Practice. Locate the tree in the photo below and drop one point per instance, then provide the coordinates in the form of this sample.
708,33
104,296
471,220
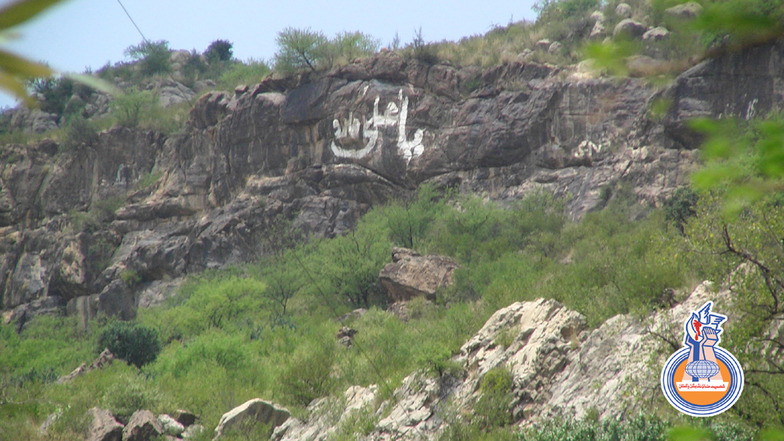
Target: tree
154,56
219,50
137,345
300,49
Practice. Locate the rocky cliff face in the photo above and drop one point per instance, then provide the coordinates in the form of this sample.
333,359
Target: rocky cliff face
114,225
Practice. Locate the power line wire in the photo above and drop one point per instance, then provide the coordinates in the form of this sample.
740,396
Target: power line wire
134,23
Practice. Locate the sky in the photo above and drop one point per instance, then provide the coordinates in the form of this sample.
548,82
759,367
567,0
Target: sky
78,34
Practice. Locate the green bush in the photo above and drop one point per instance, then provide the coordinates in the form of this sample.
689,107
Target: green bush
308,375
129,394
55,93
154,56
219,50
136,344
679,207
129,107
492,409
79,132
248,73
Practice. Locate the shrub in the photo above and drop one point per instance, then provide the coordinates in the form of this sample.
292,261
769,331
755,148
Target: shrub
130,394
308,375
492,407
300,49
679,207
241,73
79,132
154,56
219,50
136,344
348,46
423,51
129,107
55,93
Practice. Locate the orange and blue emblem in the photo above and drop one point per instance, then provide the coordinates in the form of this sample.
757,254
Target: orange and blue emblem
702,379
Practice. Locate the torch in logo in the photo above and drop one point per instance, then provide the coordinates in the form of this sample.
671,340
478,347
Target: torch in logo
702,335
702,379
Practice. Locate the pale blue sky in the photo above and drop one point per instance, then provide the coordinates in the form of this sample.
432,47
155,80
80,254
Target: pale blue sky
89,33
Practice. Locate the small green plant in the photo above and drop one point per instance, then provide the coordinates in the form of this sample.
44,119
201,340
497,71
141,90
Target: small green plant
136,344
148,180
506,337
130,277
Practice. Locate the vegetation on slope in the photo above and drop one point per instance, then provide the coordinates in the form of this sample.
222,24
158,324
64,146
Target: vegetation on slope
267,329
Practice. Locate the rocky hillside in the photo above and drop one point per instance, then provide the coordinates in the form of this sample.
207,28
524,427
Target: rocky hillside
114,225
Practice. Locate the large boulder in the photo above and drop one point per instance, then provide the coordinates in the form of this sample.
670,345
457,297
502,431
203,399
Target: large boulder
686,10
629,28
103,426
255,411
413,275
143,426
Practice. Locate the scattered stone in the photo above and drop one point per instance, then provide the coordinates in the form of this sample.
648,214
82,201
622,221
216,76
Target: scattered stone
413,275
103,426
399,310
686,11
185,418
598,31
104,359
623,10
629,28
596,16
239,90
192,431
252,411
170,425
346,336
525,55
50,420
656,34
554,48
355,314
543,44
142,426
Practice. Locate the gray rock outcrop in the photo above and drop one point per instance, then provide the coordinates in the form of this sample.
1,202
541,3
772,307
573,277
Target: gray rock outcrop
413,275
